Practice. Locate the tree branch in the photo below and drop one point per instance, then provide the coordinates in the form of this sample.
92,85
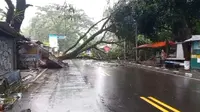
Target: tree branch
99,42
99,50
94,45
81,37
89,47
106,22
28,5
10,12
104,35
165,28
106,42
20,11
83,47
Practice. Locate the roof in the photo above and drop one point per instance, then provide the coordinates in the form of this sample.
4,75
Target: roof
7,30
194,38
37,42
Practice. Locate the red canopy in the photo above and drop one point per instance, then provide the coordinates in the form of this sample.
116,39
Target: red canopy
156,44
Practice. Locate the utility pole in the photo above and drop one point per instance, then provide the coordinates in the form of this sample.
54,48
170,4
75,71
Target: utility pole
124,49
136,34
136,43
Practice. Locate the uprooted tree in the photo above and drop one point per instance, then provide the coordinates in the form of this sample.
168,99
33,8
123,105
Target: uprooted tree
15,15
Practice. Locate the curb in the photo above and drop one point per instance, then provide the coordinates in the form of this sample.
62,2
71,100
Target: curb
38,76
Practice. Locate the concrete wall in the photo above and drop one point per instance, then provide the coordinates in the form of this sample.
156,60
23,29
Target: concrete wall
6,54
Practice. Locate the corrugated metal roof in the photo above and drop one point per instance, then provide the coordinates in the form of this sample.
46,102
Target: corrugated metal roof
194,38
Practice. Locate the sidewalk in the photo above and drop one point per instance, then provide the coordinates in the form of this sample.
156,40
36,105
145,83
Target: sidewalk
193,74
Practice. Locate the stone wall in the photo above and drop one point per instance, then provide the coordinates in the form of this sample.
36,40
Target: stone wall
29,57
6,54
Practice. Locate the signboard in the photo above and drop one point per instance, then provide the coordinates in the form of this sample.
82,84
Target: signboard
198,60
196,45
89,52
107,49
61,37
53,40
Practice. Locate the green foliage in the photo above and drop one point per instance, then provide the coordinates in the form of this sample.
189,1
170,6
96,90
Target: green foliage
61,20
115,52
142,40
157,19
2,14
124,22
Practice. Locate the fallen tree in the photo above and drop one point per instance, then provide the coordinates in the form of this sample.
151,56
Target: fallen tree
85,45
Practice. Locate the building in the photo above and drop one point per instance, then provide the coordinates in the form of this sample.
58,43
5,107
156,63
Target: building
29,55
9,75
195,52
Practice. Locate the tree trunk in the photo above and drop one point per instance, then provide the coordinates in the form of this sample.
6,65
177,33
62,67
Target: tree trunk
187,46
19,14
167,47
187,51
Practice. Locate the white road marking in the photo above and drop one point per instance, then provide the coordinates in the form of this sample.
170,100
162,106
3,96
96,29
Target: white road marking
105,74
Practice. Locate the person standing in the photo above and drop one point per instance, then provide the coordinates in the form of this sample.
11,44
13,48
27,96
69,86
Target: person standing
163,57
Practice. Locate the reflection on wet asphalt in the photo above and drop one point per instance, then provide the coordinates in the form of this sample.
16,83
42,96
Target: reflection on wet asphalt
89,86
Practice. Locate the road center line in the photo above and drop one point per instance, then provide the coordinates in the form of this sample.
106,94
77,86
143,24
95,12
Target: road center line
154,104
105,74
163,104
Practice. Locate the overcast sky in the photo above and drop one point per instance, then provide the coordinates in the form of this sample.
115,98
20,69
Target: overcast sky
93,8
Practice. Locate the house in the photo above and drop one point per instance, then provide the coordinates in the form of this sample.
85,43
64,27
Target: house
33,54
9,75
28,55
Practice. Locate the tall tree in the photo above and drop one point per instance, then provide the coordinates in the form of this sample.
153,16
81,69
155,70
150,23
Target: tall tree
82,34
15,16
178,18
58,19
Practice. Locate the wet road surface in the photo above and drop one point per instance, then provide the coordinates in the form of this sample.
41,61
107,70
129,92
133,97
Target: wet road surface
89,86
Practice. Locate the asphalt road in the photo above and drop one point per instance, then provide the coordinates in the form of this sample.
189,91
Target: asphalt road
89,86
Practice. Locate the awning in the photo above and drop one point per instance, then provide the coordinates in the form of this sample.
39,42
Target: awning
156,44
144,45
194,38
